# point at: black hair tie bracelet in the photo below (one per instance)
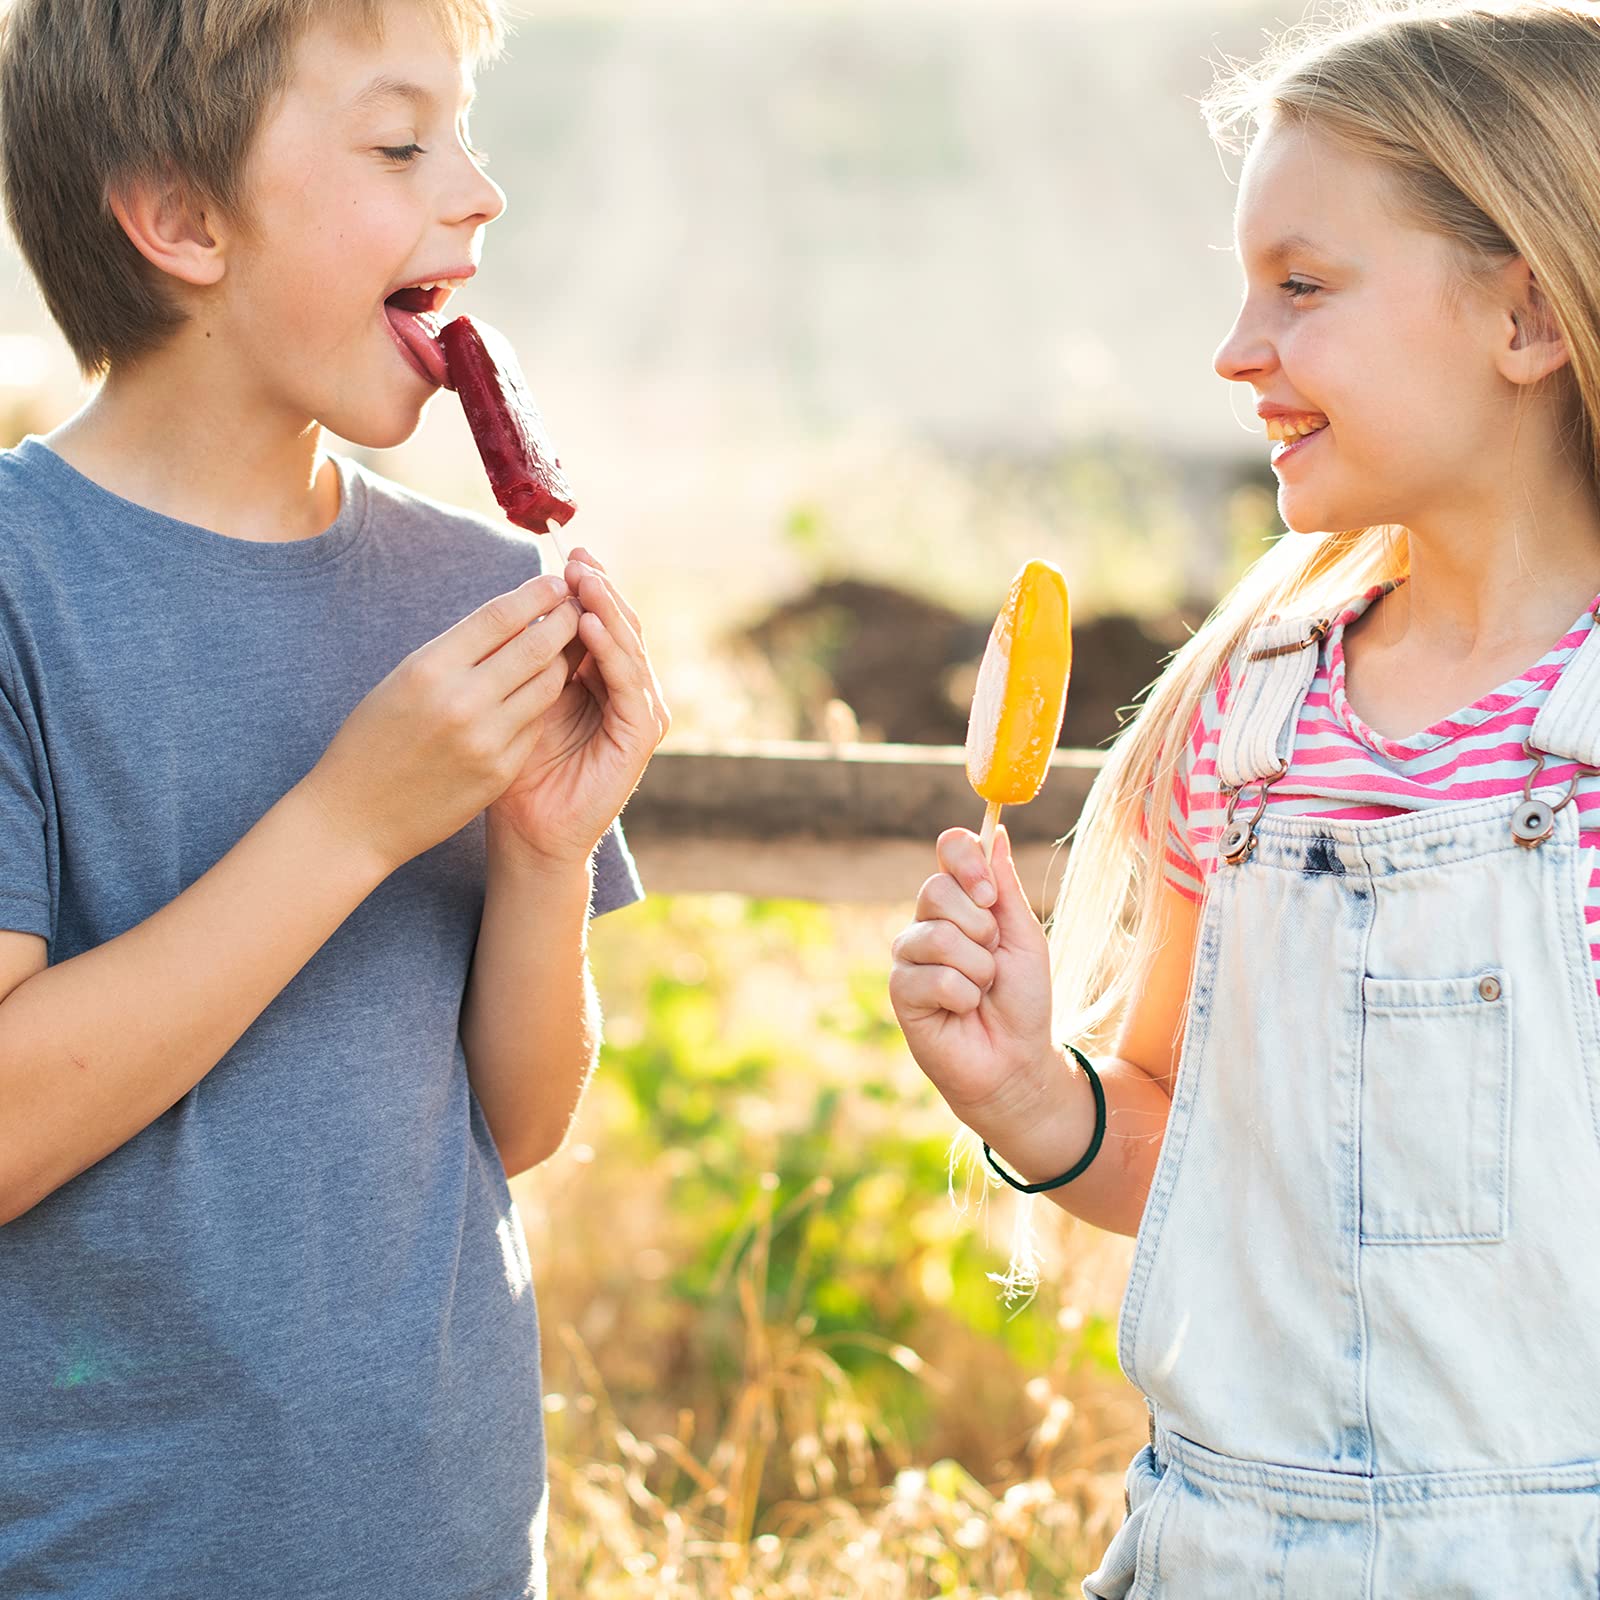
(1088, 1155)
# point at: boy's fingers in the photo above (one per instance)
(532, 699)
(960, 854)
(630, 687)
(584, 578)
(532, 650)
(616, 644)
(480, 633)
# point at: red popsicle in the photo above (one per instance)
(517, 454)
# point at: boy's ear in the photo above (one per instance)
(1535, 348)
(167, 226)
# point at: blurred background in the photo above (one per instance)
(837, 313)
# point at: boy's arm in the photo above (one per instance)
(530, 1020)
(94, 1049)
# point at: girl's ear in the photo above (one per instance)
(1534, 347)
(167, 226)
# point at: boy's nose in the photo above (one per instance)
(480, 199)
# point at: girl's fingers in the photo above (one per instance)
(960, 854)
(1013, 915)
(920, 990)
(943, 944)
(942, 896)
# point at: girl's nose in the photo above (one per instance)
(1243, 355)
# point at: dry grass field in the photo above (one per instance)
(776, 1361)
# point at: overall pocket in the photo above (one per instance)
(1124, 1570)
(1435, 1109)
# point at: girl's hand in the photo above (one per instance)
(596, 740)
(971, 984)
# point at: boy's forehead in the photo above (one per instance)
(346, 68)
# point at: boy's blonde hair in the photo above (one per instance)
(94, 93)
(1486, 120)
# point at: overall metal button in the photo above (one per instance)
(1237, 840)
(1532, 823)
(1489, 988)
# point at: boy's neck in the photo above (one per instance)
(156, 436)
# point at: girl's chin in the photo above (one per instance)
(1304, 513)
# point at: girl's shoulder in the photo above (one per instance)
(1325, 626)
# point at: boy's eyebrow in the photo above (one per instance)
(387, 87)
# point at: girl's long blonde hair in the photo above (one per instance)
(1486, 119)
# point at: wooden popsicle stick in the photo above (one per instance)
(991, 816)
(552, 530)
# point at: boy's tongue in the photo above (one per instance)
(419, 332)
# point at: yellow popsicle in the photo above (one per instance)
(1021, 694)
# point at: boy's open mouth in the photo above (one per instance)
(414, 317)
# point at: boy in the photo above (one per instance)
(292, 978)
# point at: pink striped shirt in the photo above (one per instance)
(1342, 768)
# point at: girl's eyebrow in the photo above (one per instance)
(1292, 244)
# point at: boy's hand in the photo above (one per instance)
(971, 984)
(440, 738)
(596, 740)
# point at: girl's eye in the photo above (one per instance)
(402, 154)
(1297, 290)
(481, 157)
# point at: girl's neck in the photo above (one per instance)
(1494, 584)
(1498, 579)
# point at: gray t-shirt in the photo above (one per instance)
(282, 1342)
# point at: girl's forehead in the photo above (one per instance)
(1301, 194)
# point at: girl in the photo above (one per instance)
(1348, 1081)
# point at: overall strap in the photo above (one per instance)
(1280, 660)
(1568, 724)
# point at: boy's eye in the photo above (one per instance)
(1297, 290)
(404, 154)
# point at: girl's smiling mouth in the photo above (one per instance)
(1291, 434)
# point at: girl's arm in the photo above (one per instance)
(971, 987)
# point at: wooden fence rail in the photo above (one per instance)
(830, 822)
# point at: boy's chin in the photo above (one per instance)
(378, 432)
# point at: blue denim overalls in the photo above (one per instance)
(1365, 1301)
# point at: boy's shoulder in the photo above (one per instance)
(33, 511)
(49, 513)
(403, 513)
